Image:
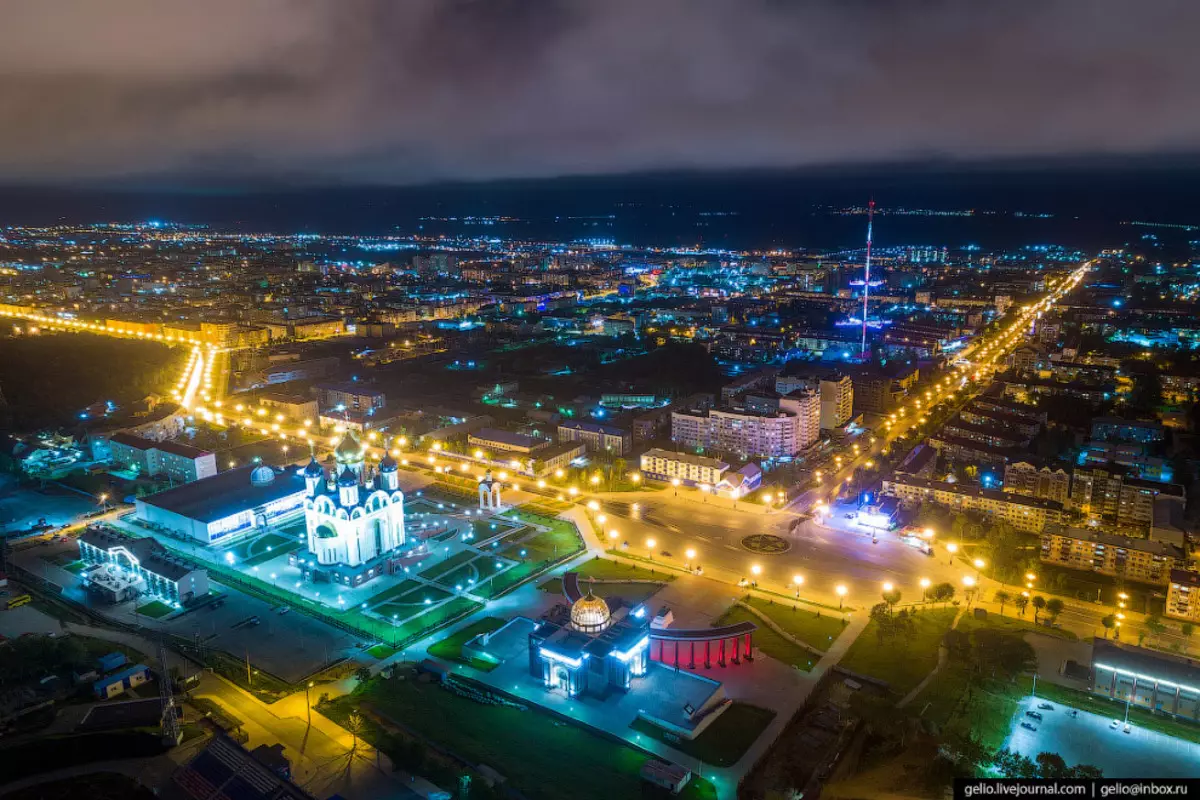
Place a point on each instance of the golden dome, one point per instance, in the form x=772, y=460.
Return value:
x=590, y=614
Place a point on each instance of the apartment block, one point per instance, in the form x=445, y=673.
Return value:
x=1111, y=554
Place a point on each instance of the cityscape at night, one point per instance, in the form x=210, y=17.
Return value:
x=577, y=400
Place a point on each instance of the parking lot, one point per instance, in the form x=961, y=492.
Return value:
x=1090, y=739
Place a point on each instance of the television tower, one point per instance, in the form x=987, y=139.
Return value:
x=867, y=279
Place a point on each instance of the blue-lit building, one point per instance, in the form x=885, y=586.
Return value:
x=588, y=652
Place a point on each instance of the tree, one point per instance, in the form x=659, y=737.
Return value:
x=1051, y=765
x=891, y=598
x=1039, y=603
x=363, y=674
x=1021, y=602
x=1002, y=597
x=354, y=724
x=1187, y=629
x=1054, y=607
x=1155, y=626
x=1109, y=623
x=943, y=593
x=619, y=466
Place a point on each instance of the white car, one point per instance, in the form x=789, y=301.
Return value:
x=1116, y=723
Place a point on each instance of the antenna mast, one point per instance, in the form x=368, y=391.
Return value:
x=867, y=279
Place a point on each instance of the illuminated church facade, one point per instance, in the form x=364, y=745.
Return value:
x=354, y=518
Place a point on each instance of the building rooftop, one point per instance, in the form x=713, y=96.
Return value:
x=224, y=494
x=168, y=446
x=976, y=491
x=686, y=458
x=593, y=427
x=1156, y=548
x=507, y=437
x=1153, y=664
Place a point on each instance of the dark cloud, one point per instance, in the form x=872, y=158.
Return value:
x=403, y=91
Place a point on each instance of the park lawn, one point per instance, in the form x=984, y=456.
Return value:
x=508, y=579
x=538, y=753
x=446, y=565
x=607, y=569
x=724, y=741
x=450, y=648
x=155, y=609
x=75, y=567
x=631, y=594
x=902, y=663
x=487, y=529
x=954, y=702
x=770, y=642
x=1106, y=707
x=460, y=576
x=400, y=589
x=1013, y=625
x=381, y=651
x=811, y=627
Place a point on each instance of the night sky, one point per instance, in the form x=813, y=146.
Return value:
x=412, y=91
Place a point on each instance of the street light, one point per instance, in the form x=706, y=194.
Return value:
x=691, y=554
x=675, y=483
x=951, y=548
x=650, y=547
x=979, y=564
x=307, y=702
x=841, y=593
x=924, y=588
x=755, y=570
x=798, y=580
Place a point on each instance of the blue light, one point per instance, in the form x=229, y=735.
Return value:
x=1116, y=303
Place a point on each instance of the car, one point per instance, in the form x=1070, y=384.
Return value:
x=1128, y=727
x=850, y=515
x=1028, y=727
x=255, y=620
x=1034, y=715
x=1116, y=723
x=1045, y=706
x=283, y=610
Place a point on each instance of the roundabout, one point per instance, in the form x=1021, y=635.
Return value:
x=766, y=543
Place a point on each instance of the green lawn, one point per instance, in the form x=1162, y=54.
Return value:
x=723, y=742
x=954, y=702
x=902, y=663
x=450, y=648
x=155, y=609
x=381, y=651
x=815, y=628
x=446, y=565
x=75, y=567
x=768, y=641
x=1013, y=624
x=536, y=752
x=631, y=594
x=606, y=569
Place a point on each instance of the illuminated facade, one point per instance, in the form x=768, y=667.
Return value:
x=1151, y=679
x=354, y=520
x=120, y=568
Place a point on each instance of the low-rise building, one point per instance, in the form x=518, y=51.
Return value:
x=181, y=462
x=225, y=505
x=688, y=468
x=494, y=439
x=1023, y=513
x=351, y=396
x=1112, y=429
x=1140, y=560
x=598, y=438
x=1161, y=682
x=120, y=568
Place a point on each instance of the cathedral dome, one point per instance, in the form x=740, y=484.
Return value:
x=590, y=614
x=388, y=464
x=314, y=470
x=349, y=450
x=262, y=475
x=347, y=478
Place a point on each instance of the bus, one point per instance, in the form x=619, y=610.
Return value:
x=18, y=601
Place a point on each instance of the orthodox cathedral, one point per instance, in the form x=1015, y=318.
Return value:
x=354, y=517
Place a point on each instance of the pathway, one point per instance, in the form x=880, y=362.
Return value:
x=943, y=655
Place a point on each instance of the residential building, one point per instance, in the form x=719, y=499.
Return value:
x=808, y=406
x=351, y=396
x=293, y=406
x=836, y=390
x=1111, y=554
x=1183, y=595
x=598, y=438
x=1044, y=482
x=688, y=468
x=969, y=451
x=984, y=417
x=1023, y=513
x=179, y=462
x=993, y=435
x=741, y=431
x=1108, y=429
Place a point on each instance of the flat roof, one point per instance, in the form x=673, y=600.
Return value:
x=505, y=437
x=975, y=491
x=1150, y=546
x=1178, y=670
x=225, y=494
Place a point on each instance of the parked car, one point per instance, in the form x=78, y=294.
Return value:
x=1045, y=706
x=1034, y=715
x=283, y=610
x=1028, y=727
x=1116, y=723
